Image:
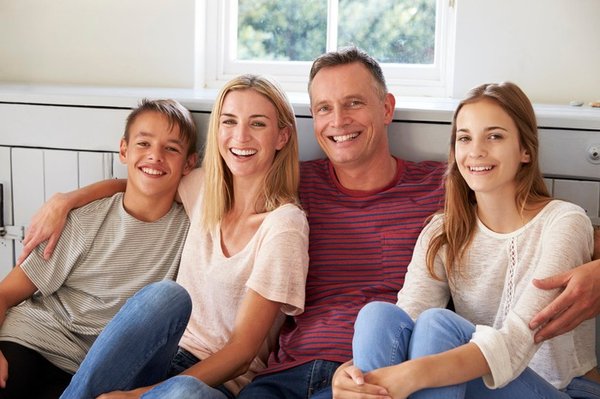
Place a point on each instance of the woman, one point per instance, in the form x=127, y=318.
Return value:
x=499, y=230
x=244, y=264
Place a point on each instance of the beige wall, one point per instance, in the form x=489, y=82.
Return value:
x=549, y=47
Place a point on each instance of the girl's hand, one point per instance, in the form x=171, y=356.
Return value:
x=349, y=383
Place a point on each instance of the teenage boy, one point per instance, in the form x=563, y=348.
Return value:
x=51, y=311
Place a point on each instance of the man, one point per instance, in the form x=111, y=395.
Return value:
x=53, y=310
x=365, y=210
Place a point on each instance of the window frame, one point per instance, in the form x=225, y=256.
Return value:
x=215, y=63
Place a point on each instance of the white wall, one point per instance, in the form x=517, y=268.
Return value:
x=98, y=42
x=549, y=47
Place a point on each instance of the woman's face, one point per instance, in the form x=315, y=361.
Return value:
x=249, y=135
x=487, y=148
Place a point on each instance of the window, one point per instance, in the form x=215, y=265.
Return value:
x=410, y=38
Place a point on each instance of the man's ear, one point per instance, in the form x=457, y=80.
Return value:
x=123, y=151
x=389, y=103
x=283, y=138
x=190, y=163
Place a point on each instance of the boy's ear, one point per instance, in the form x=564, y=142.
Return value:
x=190, y=163
x=284, y=136
x=123, y=151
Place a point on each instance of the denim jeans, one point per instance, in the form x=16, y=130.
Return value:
x=384, y=335
x=309, y=380
x=136, y=348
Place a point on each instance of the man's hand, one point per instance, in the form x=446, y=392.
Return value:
x=47, y=224
x=579, y=301
x=349, y=383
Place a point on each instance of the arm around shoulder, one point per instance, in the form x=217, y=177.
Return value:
x=49, y=221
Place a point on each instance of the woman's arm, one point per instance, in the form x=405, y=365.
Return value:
x=255, y=319
x=49, y=221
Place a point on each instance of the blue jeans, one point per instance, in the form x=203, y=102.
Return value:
x=138, y=346
x=384, y=335
x=309, y=380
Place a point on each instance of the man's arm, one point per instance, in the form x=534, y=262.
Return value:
x=579, y=301
x=49, y=221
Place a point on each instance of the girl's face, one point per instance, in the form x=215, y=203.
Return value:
x=249, y=135
x=487, y=149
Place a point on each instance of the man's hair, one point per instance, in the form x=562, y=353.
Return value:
x=350, y=55
x=177, y=115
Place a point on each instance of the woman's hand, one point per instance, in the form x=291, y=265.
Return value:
x=349, y=383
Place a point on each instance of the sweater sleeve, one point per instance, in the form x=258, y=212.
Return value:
x=420, y=290
x=566, y=242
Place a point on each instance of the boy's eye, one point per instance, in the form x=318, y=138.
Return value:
x=173, y=149
x=142, y=143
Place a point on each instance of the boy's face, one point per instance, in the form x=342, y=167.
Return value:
x=155, y=156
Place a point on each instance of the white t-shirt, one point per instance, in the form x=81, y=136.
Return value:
x=274, y=264
x=495, y=292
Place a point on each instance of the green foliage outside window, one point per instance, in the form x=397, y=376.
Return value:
x=393, y=31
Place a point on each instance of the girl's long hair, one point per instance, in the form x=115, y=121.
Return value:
x=460, y=218
x=280, y=185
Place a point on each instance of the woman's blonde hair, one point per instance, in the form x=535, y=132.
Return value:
x=460, y=218
x=280, y=185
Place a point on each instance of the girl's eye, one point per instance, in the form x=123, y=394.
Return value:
x=495, y=136
x=463, y=139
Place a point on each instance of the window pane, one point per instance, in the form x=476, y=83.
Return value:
x=392, y=31
x=281, y=30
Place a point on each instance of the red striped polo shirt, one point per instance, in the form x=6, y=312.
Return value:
x=360, y=245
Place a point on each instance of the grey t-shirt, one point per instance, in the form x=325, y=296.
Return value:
x=103, y=257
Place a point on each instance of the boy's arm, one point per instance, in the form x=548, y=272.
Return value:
x=49, y=221
x=14, y=288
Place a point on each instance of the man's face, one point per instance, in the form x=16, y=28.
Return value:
x=350, y=117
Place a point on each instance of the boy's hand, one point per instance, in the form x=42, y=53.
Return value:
x=47, y=224
x=3, y=370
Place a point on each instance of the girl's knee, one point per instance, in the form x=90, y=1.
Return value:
x=375, y=314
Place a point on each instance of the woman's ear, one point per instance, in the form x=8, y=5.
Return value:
x=283, y=138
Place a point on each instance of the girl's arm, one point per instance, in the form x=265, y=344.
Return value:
x=49, y=221
x=455, y=366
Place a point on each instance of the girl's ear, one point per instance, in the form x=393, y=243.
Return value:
x=123, y=151
x=525, y=157
x=283, y=138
